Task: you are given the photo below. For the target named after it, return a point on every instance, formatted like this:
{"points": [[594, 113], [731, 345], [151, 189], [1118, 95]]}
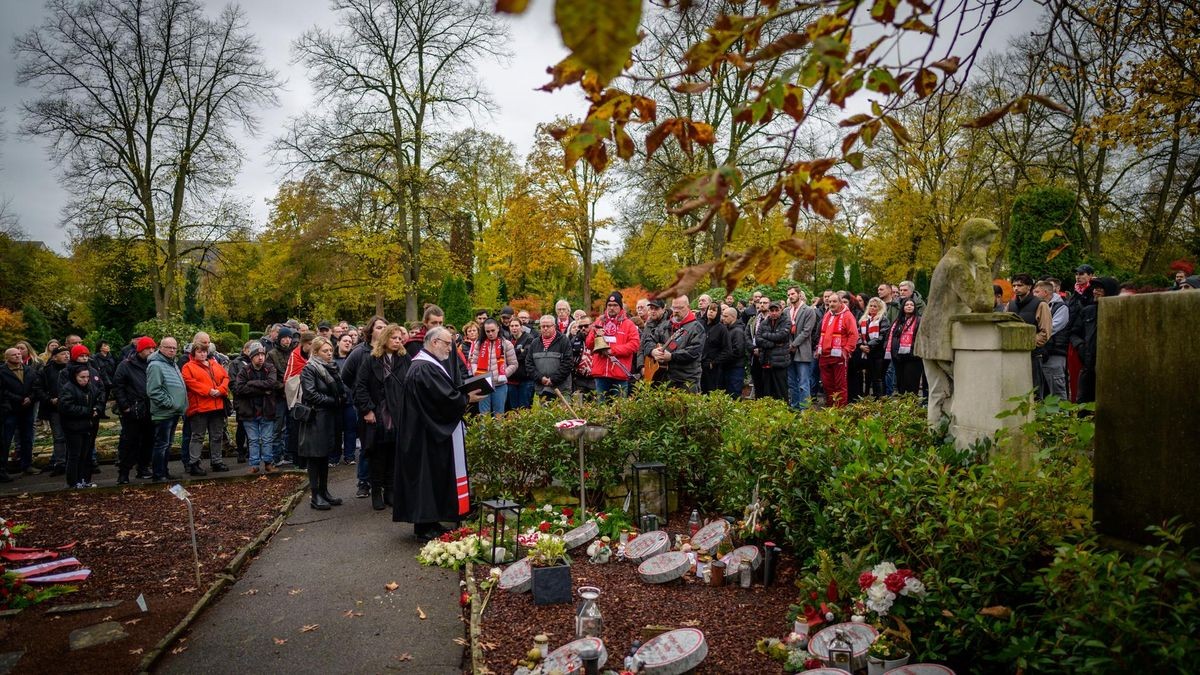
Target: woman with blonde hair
{"points": [[873, 330], [318, 415], [377, 397]]}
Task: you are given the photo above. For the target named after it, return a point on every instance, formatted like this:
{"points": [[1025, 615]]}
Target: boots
{"points": [[333, 501], [387, 496], [318, 502], [377, 502], [123, 477]]}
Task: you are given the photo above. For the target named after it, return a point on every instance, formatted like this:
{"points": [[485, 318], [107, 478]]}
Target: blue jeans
{"points": [[20, 425], [814, 376], [520, 395], [495, 401], [889, 379], [260, 438], [735, 379], [605, 385], [164, 431], [799, 384], [349, 435]]}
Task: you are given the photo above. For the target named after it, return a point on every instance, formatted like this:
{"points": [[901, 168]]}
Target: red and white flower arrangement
{"points": [[885, 582]]}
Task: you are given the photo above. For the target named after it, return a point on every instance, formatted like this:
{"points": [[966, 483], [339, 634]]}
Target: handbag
{"points": [[300, 411]]}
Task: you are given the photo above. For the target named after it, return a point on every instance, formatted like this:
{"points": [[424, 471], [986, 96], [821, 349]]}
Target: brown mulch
{"points": [[135, 541], [733, 619]]}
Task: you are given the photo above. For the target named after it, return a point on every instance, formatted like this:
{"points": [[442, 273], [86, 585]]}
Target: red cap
{"points": [[78, 351], [144, 343]]}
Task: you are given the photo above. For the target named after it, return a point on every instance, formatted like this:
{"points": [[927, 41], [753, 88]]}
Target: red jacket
{"points": [[623, 339], [835, 326], [200, 379]]}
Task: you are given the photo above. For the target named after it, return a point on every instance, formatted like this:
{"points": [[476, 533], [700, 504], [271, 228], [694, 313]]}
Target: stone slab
{"points": [[82, 607], [517, 577], [1147, 459], [674, 652], [10, 613], [99, 634], [8, 661], [750, 554], [709, 537], [988, 374], [581, 535], [648, 545], [665, 567], [566, 658]]}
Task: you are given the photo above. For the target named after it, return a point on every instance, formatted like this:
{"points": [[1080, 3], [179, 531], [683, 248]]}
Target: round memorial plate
{"points": [[708, 537], [581, 535], [673, 652], [922, 669], [517, 577], [648, 545], [665, 567], [824, 671], [566, 658], [860, 635], [747, 553]]}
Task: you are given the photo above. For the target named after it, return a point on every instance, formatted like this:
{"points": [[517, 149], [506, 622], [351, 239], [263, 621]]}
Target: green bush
{"points": [[775, 291], [174, 326], [112, 337], [255, 335], [242, 330], [1044, 219], [454, 301], [228, 343]]}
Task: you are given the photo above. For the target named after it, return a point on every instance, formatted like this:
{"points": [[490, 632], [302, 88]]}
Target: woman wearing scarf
{"points": [[377, 393], [613, 341], [495, 357], [900, 349], [873, 328], [323, 394]]}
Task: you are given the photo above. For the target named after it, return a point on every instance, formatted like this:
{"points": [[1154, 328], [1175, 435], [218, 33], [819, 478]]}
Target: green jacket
{"points": [[165, 388]]}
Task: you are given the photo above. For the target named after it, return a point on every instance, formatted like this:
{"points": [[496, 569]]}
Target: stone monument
{"points": [[960, 290], [1147, 458]]}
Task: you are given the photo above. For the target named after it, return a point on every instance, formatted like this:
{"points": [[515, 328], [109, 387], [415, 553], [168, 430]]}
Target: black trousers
{"points": [[136, 444], [381, 458], [318, 477], [774, 383], [79, 455], [908, 375]]}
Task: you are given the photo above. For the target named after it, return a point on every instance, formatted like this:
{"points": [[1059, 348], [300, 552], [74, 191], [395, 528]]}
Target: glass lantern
{"points": [[588, 621], [496, 510], [650, 492], [841, 652]]}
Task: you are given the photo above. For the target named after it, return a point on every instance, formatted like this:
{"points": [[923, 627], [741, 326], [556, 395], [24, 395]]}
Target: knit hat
{"points": [[615, 296], [78, 351], [143, 343], [657, 302], [286, 332], [256, 348]]}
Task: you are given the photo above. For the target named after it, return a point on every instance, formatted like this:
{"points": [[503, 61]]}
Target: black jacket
{"points": [[48, 385], [354, 360], [80, 408], [737, 345], [98, 378], [717, 345], [256, 391], [129, 388], [774, 342], [378, 389], [14, 391], [553, 362], [107, 365], [1083, 334], [326, 397], [522, 345], [896, 331]]}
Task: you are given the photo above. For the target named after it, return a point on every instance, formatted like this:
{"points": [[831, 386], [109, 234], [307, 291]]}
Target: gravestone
{"points": [[709, 537], [647, 545], [581, 535], [748, 553], [566, 658], [517, 577], [665, 567], [674, 652], [1147, 460], [101, 633]]}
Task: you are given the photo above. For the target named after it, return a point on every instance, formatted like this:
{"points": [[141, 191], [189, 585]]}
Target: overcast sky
{"points": [[28, 178]]}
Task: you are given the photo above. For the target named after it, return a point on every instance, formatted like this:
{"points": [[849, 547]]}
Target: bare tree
{"points": [[390, 77], [139, 102]]}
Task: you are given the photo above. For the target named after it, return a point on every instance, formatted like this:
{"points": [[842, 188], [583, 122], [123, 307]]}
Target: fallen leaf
{"points": [[295, 591], [691, 622], [404, 657], [179, 650], [351, 613], [308, 628], [997, 611], [252, 591], [139, 650], [280, 641], [132, 622], [391, 585], [420, 613], [461, 642]]}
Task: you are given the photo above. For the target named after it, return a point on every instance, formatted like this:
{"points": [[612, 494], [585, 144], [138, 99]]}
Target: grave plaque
{"points": [[517, 578], [748, 553], [581, 535], [674, 652], [101, 633], [566, 658], [709, 537], [665, 567], [860, 635], [647, 546]]}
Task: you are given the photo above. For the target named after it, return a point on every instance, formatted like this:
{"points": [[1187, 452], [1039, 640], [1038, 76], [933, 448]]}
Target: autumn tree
{"points": [[481, 173], [139, 103], [387, 80]]}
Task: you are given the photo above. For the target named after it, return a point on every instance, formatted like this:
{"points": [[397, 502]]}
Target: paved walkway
{"points": [[330, 569]]}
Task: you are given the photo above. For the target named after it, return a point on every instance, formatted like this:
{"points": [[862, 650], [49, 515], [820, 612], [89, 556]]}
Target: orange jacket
{"points": [[201, 378]]}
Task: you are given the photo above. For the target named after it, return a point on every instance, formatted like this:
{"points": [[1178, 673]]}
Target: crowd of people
{"points": [[317, 398]]}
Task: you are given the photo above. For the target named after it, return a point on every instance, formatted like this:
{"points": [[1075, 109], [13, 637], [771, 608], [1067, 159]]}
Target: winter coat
{"points": [[623, 340], [80, 408], [521, 346], [13, 390], [201, 377], [165, 388], [98, 378], [896, 332], [737, 345], [774, 341], [380, 391], [876, 342], [1083, 333], [350, 368], [256, 391], [48, 386], [803, 330], [323, 392], [718, 347], [129, 388], [685, 341], [493, 364], [553, 362]]}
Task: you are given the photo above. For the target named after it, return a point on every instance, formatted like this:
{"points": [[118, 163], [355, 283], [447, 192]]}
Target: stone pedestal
{"points": [[1147, 456], [991, 367]]}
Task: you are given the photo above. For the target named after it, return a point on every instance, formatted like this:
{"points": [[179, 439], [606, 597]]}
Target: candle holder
{"points": [[650, 473], [497, 508]]}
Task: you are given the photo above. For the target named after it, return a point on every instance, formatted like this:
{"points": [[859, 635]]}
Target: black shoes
{"points": [[363, 492], [377, 502], [318, 502], [333, 501], [195, 470], [123, 478], [57, 471], [143, 474], [219, 467], [243, 457]]}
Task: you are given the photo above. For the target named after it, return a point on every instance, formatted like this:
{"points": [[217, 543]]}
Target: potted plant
{"points": [[551, 571], [884, 654]]}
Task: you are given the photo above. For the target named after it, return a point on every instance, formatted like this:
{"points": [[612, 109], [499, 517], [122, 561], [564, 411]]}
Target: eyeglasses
{"points": [[443, 341]]}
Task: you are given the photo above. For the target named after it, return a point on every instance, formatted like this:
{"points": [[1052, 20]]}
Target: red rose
{"points": [[568, 511], [812, 664], [544, 527], [812, 594], [464, 599], [894, 582], [866, 580]]}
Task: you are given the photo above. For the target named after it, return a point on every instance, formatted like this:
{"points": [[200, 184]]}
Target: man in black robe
{"points": [[430, 483]]}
